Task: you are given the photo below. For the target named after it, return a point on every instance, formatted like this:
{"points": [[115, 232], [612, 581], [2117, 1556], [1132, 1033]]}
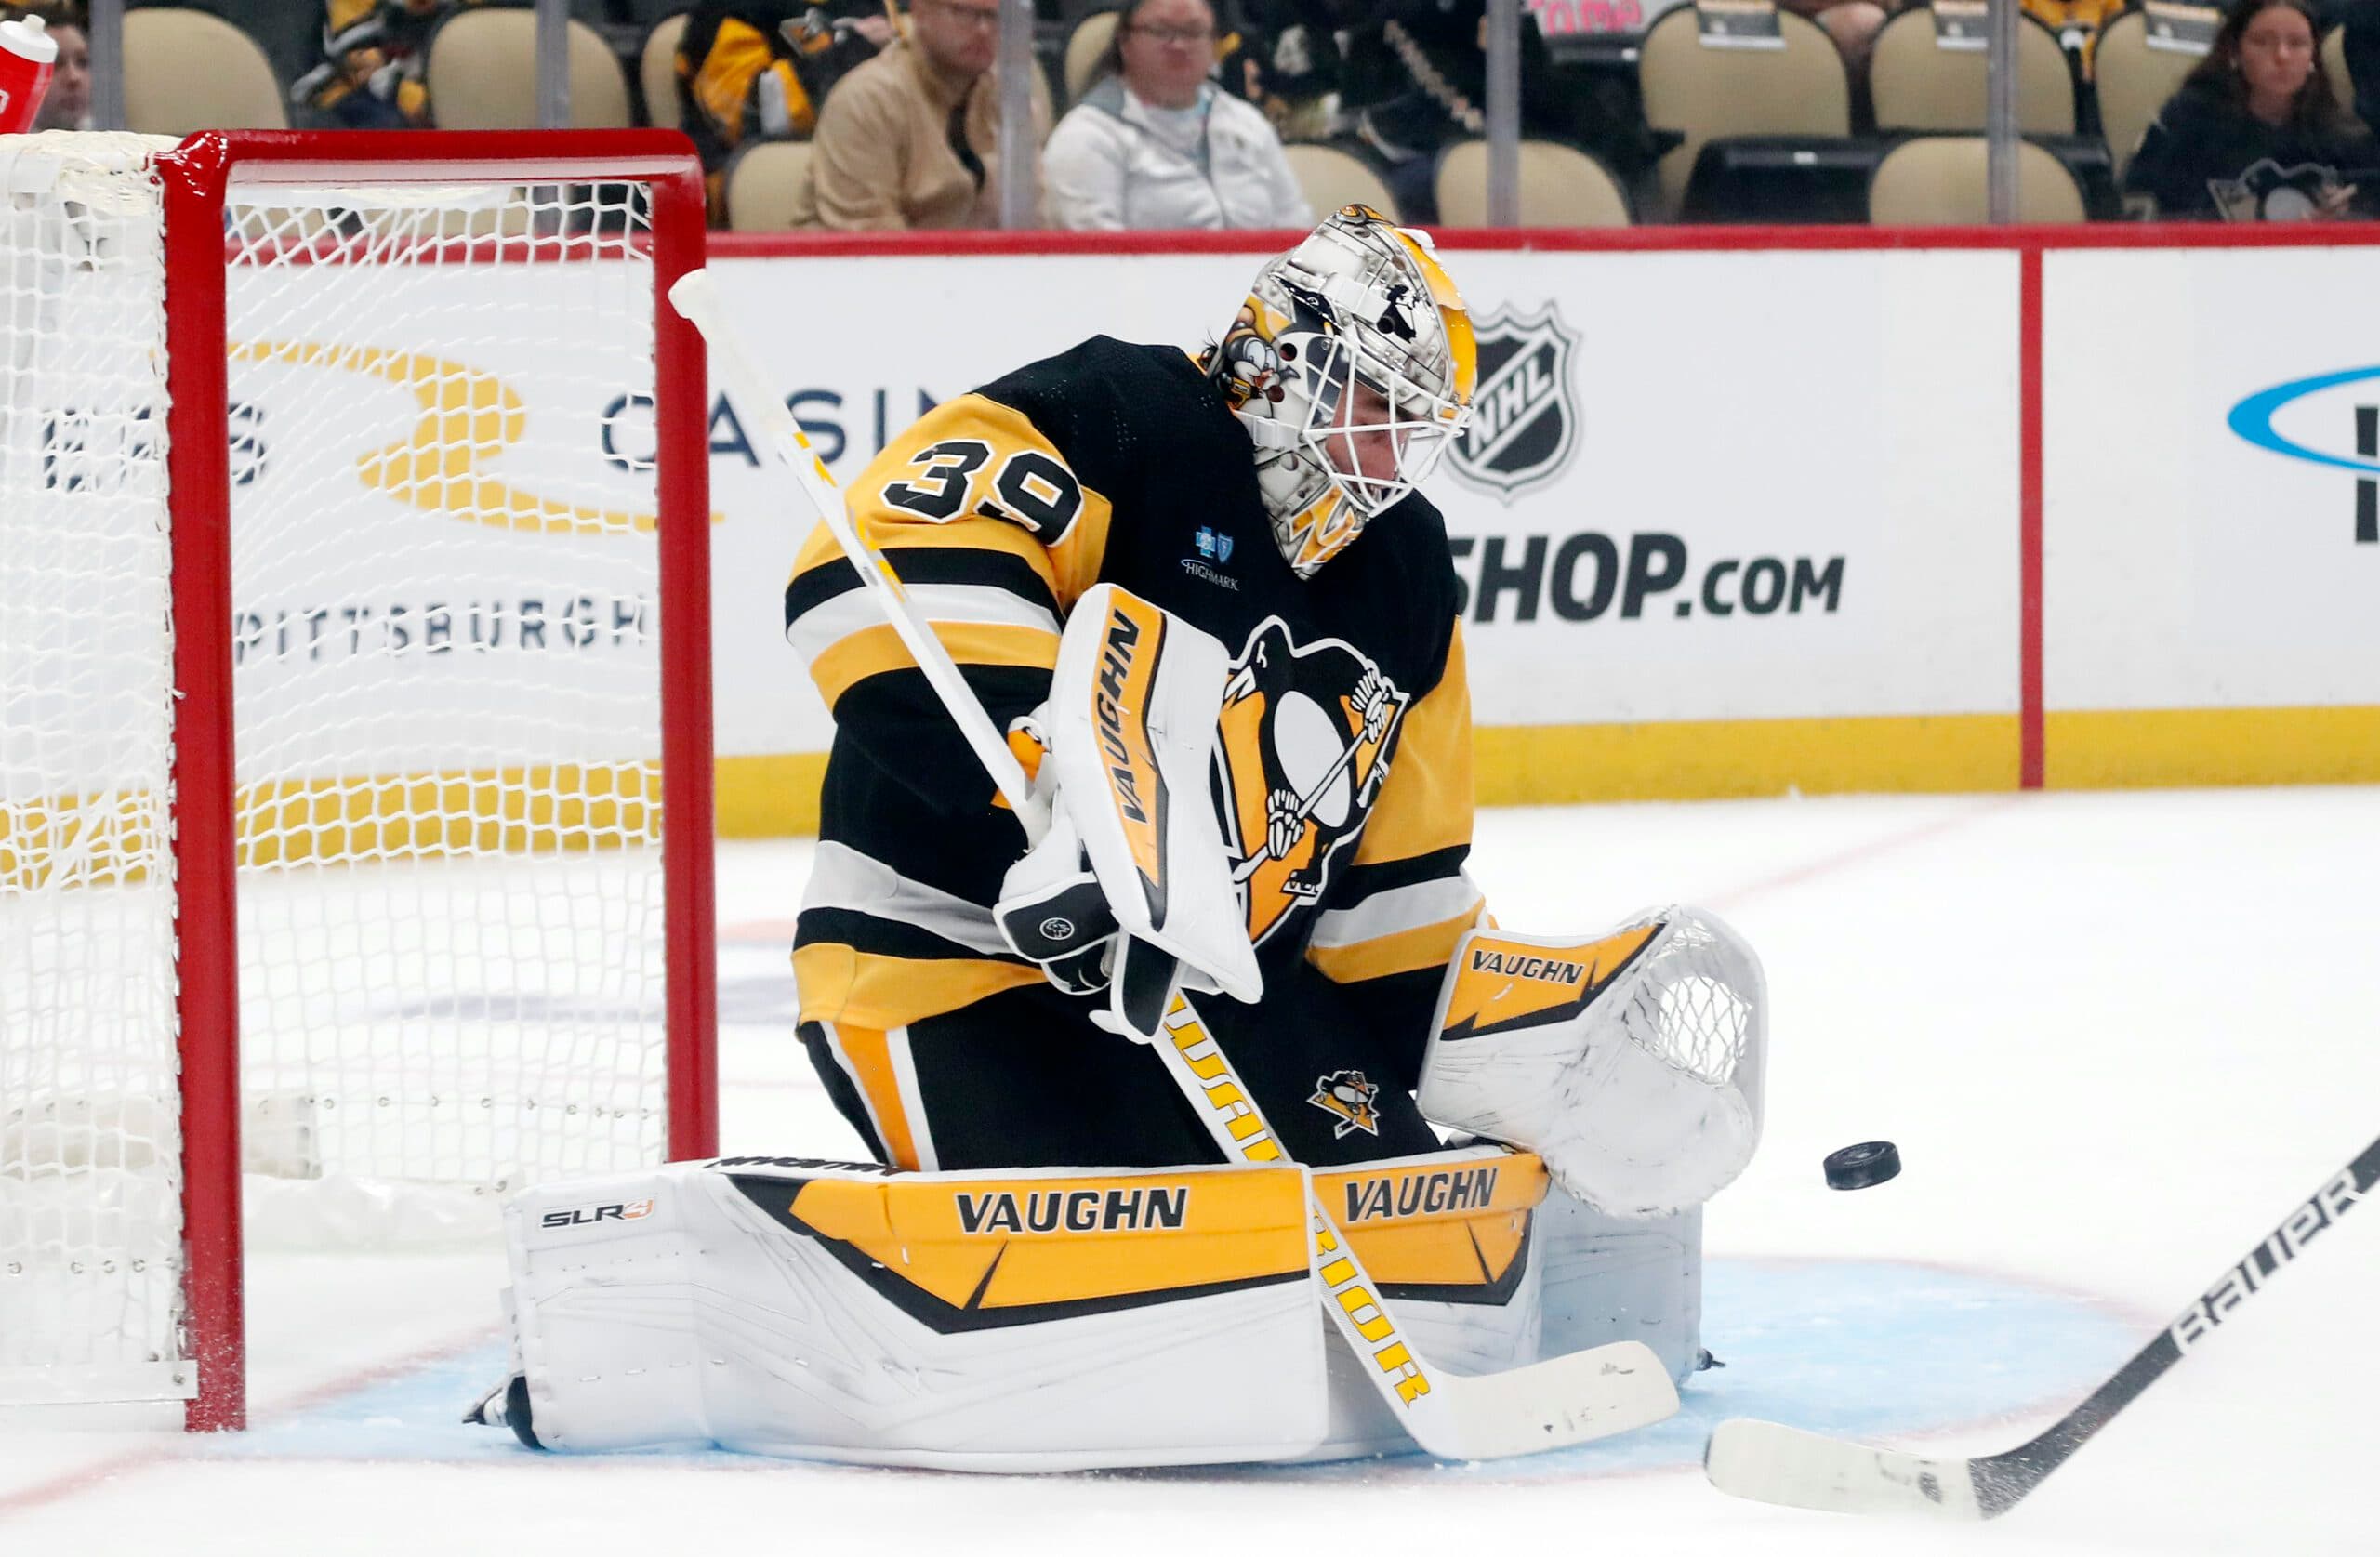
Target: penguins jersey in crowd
{"points": [[1343, 748]]}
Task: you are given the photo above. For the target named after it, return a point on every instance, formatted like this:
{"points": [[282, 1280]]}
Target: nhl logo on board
{"points": [[1524, 416]]}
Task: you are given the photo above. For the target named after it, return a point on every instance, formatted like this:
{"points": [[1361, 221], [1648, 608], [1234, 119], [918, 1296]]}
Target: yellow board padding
{"points": [[554, 808], [1044, 1240], [777, 796], [769, 797], [2195, 747], [1698, 760], [547, 809], [1438, 1222]]}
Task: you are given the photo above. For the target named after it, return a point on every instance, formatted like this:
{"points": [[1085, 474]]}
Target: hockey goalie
{"points": [[1213, 1118]]}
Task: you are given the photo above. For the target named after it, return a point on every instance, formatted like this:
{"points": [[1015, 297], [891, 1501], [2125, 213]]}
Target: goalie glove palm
{"points": [[1053, 912]]}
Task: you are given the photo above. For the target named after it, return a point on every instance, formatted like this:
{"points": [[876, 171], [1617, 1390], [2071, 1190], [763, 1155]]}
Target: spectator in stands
{"points": [[2076, 22], [1284, 58], [66, 105], [758, 69], [1156, 144], [1853, 24], [373, 54], [1415, 80], [911, 138], [2254, 132]]}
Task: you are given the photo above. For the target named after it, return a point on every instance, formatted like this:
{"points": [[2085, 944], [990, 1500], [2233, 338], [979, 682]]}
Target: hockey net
{"points": [[353, 649]]}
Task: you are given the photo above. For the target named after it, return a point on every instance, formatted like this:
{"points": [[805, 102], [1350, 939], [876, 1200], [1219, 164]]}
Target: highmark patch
{"points": [[1524, 425]]}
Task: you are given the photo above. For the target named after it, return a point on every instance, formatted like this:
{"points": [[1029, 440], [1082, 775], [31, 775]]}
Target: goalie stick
{"points": [[1779, 1464], [1548, 1404]]}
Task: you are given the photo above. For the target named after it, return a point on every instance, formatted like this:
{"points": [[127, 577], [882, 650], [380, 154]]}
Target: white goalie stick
{"points": [[1777, 1464], [1563, 1400]]}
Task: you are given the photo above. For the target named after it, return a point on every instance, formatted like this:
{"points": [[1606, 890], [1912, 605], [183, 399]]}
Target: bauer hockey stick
{"points": [[1776, 1464], [1563, 1400]]}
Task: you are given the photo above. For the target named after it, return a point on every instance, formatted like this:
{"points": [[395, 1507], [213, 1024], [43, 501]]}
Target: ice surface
{"points": [[2116, 1035]]}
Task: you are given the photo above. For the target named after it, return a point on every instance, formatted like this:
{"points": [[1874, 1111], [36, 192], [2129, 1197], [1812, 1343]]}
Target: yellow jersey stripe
{"points": [[867, 1055], [1425, 805], [875, 651], [839, 984], [1407, 951]]}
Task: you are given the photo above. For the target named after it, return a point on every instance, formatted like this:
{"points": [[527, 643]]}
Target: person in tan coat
{"points": [[911, 138]]}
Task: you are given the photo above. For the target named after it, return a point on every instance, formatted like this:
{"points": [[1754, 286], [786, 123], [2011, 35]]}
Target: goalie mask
{"points": [[1351, 365]]}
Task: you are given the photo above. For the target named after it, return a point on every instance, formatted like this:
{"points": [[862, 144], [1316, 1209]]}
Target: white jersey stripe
{"points": [[913, 1101], [1396, 910], [850, 1073], [841, 876], [830, 621]]}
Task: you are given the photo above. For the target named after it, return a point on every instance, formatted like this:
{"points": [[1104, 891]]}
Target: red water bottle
{"points": [[27, 56]]}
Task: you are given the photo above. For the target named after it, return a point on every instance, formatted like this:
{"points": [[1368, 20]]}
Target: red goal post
{"points": [[430, 702]]}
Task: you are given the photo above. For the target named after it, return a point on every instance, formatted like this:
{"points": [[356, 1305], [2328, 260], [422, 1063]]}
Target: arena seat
{"points": [[186, 70], [1332, 177], [1084, 46], [1706, 93], [761, 178], [2334, 51], [1917, 84], [1942, 181], [482, 75], [2133, 81], [1561, 186], [656, 72]]}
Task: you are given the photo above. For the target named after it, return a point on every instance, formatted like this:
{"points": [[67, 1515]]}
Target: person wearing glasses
{"points": [[911, 138], [1156, 144]]}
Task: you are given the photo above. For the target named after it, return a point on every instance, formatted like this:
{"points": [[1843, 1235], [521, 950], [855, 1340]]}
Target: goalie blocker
{"points": [[1044, 1320]]}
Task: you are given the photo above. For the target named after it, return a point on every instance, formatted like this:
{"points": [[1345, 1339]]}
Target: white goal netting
{"points": [[445, 639]]}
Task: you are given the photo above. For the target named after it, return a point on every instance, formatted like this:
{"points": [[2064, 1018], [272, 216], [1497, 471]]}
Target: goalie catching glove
{"points": [[1632, 1061], [1133, 852]]}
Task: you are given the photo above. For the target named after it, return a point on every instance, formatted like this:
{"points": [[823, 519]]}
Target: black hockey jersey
{"points": [[1343, 752]]}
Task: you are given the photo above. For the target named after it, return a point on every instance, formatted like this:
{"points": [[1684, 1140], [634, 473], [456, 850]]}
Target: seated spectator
{"points": [[1156, 144], [757, 69], [911, 138], [2076, 22], [1415, 80], [374, 52], [67, 104], [1853, 24], [2254, 132], [1285, 60]]}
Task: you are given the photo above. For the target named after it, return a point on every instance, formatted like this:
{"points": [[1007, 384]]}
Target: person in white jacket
{"points": [[1156, 144]]}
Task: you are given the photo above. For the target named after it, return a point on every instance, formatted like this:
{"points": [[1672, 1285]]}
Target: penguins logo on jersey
{"points": [[1348, 1097], [1300, 752]]}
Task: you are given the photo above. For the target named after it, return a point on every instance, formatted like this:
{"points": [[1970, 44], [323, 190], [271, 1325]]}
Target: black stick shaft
{"points": [[2002, 1479]]}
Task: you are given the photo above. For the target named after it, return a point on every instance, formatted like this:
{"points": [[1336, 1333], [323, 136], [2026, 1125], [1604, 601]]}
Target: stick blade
{"points": [[1571, 1399], [1771, 1463]]}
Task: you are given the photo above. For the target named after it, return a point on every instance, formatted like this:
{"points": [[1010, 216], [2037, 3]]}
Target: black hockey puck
{"points": [[1857, 1168]]}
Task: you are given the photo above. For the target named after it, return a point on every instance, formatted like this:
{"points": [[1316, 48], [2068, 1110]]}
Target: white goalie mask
{"points": [[1351, 364]]}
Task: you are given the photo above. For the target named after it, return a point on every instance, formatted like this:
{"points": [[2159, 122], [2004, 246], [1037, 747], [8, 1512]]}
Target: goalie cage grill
{"points": [[468, 952]]}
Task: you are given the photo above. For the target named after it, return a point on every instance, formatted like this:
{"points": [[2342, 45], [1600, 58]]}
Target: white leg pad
{"points": [[1017, 1321], [1611, 1279], [1449, 1237]]}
